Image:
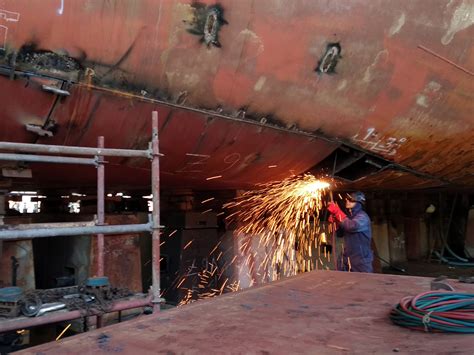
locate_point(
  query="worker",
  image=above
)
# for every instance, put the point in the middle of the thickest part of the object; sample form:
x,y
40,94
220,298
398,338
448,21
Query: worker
x,y
355,228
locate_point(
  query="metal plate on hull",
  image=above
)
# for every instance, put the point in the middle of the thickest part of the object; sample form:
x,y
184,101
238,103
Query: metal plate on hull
x,y
402,86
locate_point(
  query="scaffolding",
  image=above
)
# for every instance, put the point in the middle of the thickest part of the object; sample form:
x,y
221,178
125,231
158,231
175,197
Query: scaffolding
x,y
100,228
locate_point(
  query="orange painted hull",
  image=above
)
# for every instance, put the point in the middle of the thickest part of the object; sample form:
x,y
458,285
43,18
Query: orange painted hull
x,y
402,87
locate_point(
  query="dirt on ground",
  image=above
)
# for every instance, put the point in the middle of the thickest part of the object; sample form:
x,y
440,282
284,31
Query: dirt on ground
x,y
432,269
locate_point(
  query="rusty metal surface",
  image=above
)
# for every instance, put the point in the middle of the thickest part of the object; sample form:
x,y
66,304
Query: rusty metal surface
x,y
195,146
155,236
402,87
25,273
21,103
393,180
321,312
100,209
121,255
61,316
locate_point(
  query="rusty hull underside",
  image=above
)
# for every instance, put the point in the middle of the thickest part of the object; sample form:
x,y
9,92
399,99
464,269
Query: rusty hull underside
x,y
248,90
320,312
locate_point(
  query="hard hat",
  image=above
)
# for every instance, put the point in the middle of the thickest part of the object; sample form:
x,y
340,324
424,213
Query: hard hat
x,y
357,197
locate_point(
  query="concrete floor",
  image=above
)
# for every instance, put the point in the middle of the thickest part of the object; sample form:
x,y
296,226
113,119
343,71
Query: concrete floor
x,y
320,312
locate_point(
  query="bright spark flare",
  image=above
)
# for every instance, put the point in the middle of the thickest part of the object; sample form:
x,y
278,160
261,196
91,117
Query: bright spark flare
x,y
285,217
207,284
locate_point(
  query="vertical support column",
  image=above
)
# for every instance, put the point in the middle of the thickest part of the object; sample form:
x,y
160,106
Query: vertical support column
x,y
100,209
100,214
2,203
155,186
333,239
2,213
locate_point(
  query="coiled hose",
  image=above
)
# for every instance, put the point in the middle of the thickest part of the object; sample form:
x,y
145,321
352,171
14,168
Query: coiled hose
x,y
436,311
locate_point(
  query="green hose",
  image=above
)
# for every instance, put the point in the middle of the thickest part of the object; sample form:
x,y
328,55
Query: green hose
x,y
446,312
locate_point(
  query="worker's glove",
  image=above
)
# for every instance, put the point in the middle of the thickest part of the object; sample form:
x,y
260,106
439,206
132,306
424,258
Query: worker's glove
x,y
335,211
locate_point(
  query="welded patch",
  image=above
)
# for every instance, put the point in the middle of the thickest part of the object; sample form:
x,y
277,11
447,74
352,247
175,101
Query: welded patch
x,y
328,62
422,100
369,72
39,59
260,83
207,23
397,25
430,94
463,17
342,85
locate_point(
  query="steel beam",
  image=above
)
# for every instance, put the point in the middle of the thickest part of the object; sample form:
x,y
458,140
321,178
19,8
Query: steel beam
x,y
61,149
155,189
46,159
58,232
100,215
100,208
20,227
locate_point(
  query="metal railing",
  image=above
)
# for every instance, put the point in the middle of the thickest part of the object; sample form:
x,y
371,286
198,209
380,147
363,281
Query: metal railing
x,y
100,229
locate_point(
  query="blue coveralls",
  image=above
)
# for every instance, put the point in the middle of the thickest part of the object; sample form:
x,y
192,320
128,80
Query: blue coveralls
x,y
357,233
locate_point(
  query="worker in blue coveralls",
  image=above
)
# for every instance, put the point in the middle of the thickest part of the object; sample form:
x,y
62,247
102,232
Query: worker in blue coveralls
x,y
356,230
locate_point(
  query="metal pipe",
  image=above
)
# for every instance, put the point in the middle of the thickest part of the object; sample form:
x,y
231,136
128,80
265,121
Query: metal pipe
x,y
22,227
100,215
50,307
333,237
62,149
46,159
100,208
58,232
155,188
25,322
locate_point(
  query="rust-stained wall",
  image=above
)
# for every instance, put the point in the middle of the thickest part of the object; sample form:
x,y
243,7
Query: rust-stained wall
x,y
23,252
122,254
380,237
122,260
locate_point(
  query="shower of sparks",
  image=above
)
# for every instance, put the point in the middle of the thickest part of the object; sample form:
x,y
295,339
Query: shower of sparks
x,y
188,244
207,283
285,218
278,235
214,177
172,233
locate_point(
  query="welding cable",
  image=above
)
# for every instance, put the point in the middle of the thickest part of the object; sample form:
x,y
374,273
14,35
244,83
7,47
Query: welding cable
x,y
468,254
452,263
437,312
454,255
444,238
